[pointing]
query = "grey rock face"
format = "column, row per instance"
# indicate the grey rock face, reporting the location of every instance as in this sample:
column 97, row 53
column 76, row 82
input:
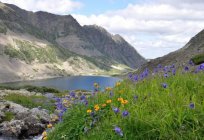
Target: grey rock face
column 25, row 122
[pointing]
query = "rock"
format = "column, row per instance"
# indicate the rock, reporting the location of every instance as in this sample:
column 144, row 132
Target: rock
column 14, row 128
column 49, row 95
column 43, row 114
column 2, row 115
column 16, row 108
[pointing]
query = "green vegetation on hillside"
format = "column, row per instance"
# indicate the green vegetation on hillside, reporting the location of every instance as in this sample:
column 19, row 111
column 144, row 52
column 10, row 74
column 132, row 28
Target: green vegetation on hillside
column 29, row 52
column 198, row 59
column 32, row 101
column 3, row 28
column 168, row 106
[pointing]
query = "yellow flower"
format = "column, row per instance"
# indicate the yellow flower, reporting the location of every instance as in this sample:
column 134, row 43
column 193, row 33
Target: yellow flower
column 96, row 85
column 89, row 111
column 124, row 101
column 49, row 125
column 120, row 99
column 44, row 134
column 118, row 84
column 108, row 89
column 96, row 107
column 103, row 105
column 45, row 138
column 108, row 101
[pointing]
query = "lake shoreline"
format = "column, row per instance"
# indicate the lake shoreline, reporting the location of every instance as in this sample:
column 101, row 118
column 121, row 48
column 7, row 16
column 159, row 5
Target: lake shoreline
column 2, row 82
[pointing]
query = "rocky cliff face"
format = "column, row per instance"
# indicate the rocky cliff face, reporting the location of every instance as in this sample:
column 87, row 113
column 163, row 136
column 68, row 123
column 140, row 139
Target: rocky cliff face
column 37, row 45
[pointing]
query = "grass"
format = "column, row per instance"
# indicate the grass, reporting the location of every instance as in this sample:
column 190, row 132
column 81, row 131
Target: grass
column 157, row 113
column 8, row 116
column 32, row 101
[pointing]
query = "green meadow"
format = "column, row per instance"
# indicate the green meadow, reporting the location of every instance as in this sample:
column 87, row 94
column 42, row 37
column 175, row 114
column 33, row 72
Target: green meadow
column 156, row 107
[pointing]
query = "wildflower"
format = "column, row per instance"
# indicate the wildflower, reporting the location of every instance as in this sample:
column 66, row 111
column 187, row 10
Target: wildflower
column 44, row 134
column 201, row 67
column 186, row 68
column 120, row 99
column 116, row 110
column 124, row 102
column 49, row 125
column 108, row 101
column 118, row 84
column 165, row 75
column 95, row 84
column 89, row 111
column 164, row 85
column 96, row 107
column 191, row 63
column 72, row 94
column 103, row 105
column 111, row 94
column 44, row 138
column 174, row 71
column 82, row 97
column 108, row 89
column 135, row 97
column 192, row 106
column 125, row 113
column 118, row 131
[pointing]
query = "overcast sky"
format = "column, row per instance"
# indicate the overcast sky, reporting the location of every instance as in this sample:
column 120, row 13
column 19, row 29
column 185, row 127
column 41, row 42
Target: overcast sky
column 153, row 27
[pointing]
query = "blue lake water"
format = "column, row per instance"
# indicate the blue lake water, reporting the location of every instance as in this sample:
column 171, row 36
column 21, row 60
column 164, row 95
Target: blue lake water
column 72, row 82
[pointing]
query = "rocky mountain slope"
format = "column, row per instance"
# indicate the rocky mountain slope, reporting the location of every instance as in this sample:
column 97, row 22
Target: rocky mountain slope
column 40, row 45
column 182, row 56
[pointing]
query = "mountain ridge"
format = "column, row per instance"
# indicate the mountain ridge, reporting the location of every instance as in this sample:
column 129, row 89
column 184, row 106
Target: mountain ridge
column 27, row 36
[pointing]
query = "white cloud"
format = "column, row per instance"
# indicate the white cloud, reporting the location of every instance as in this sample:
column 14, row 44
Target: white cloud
column 155, row 28
column 52, row 6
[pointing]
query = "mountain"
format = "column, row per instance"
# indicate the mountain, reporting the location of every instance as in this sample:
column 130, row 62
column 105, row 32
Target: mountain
column 40, row 44
column 181, row 57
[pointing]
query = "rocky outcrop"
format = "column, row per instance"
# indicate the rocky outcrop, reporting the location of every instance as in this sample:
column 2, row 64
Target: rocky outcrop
column 25, row 122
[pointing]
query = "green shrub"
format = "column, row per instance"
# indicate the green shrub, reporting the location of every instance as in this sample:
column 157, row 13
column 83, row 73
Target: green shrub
column 198, row 59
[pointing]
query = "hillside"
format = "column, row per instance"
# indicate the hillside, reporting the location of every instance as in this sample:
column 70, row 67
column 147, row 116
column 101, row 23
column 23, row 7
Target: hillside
column 37, row 45
column 182, row 56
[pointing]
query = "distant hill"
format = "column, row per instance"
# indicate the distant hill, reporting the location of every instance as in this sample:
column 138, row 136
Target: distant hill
column 193, row 48
column 40, row 44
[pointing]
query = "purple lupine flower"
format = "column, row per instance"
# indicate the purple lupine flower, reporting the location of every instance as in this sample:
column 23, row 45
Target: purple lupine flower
column 118, row 131
column 72, row 94
column 172, row 66
column 125, row 113
column 130, row 75
column 191, row 105
column 166, row 75
column 85, row 102
column 135, row 78
column 201, row 67
column 191, row 63
column 83, row 97
column 111, row 94
column 159, row 66
column 164, row 85
column 186, row 68
column 174, row 71
column 135, row 97
column 116, row 110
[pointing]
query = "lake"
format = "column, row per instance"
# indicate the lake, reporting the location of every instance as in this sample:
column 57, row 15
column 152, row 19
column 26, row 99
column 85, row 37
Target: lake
column 72, row 82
